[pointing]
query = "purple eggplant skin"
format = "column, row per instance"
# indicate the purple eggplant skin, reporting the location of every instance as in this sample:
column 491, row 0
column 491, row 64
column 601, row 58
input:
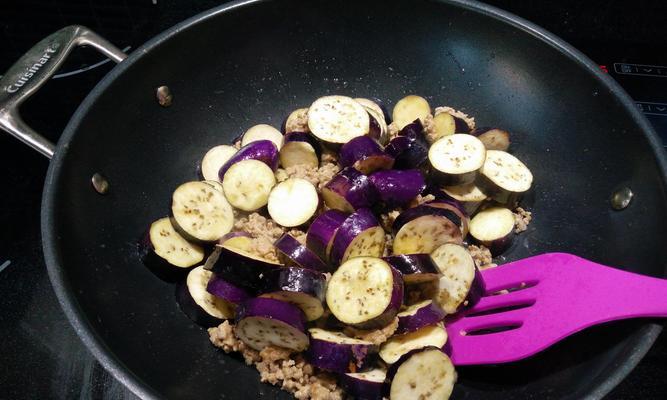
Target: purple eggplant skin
column 354, row 187
column 242, row 270
column 261, row 150
column 364, row 154
column 398, row 187
column 353, row 225
column 340, row 358
column 192, row 310
column 227, row 291
column 423, row 210
column 456, row 207
column 300, row 254
column 361, row 389
column 272, row 309
column 414, row 130
column 408, row 152
column 460, row 126
column 383, row 107
column 500, row 245
column 307, row 138
column 415, row 268
column 322, row 230
column 295, row 280
column 476, row 292
column 429, row 314
column 374, row 130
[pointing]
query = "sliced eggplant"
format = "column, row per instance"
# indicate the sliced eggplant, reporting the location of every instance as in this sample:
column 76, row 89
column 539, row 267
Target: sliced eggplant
column 201, row 212
column 233, row 294
column 408, row 153
column 494, row 228
column 300, row 148
column 260, row 150
column 349, row 190
column 365, row 155
column 293, row 202
column 379, row 122
column 425, row 374
column 457, row 208
column 214, row 159
column 456, row 159
column 238, row 240
column 299, row 254
column 493, row 138
column 504, row 177
column 422, row 229
column 446, row 124
column 431, row 335
column 359, row 235
column 470, row 196
column 337, row 119
column 242, row 268
column 368, row 385
column 322, row 230
column 164, row 248
column 301, row 287
column 398, row 187
column 415, row 268
column 263, row 132
column 215, row 185
column 198, row 304
column 371, row 105
column 461, row 285
column 365, row 292
column 335, row 352
column 297, row 121
column 248, row 184
column 419, row 315
column 410, row 108
column 263, row 322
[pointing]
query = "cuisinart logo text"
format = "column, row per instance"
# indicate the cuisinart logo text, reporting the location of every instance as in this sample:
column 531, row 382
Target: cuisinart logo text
column 14, row 87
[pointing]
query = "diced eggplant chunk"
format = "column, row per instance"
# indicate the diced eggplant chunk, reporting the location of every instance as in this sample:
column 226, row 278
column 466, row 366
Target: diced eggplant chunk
column 248, row 184
column 493, row 138
column 297, row 121
column 398, row 187
column 335, row 352
column 494, row 228
column 300, row 148
column 301, row 287
column 365, row 155
column 349, row 190
column 431, row 335
column 424, row 374
column 322, row 230
column 200, row 305
column 164, row 248
column 422, row 229
column 445, row 125
column 337, row 119
column 263, row 322
column 242, row 268
column 461, row 285
column 470, row 195
column 260, row 150
column 237, row 240
column 457, row 208
column 201, row 212
column 415, row 268
column 456, row 158
column 263, row 132
column 371, row 105
column 359, row 235
column 214, row 159
column 293, row 202
column 410, row 108
column 365, row 292
column 368, row 385
column 226, row 290
column 408, row 152
column 299, row 254
column 419, row 315
column 504, row 177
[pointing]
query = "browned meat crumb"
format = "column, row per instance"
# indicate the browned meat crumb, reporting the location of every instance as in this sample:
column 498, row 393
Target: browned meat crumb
column 459, row 114
column 420, row 292
column 421, row 200
column 264, row 232
column 388, row 244
column 429, row 129
column 299, row 235
column 317, row 176
column 482, row 256
column 521, row 219
column 388, row 218
column 276, row 367
column 328, row 157
column 392, row 130
column 298, row 122
column 237, row 144
column 375, row 336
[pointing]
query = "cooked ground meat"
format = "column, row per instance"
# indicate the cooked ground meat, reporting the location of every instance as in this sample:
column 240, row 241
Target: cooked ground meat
column 392, row 130
column 388, row 218
column 459, row 114
column 298, row 124
column 429, row 129
column 264, row 232
column 388, row 245
column 482, row 256
column 276, row 367
column 421, row 200
column 521, row 219
column 317, row 176
column 375, row 336
column 237, row 144
column 328, row 157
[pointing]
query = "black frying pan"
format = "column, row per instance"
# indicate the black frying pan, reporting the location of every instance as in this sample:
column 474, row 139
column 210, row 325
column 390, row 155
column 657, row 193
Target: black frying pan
column 253, row 62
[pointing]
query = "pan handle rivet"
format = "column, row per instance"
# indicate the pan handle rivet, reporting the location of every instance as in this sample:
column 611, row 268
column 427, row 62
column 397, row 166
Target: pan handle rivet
column 100, row 183
column 164, row 96
column 621, row 198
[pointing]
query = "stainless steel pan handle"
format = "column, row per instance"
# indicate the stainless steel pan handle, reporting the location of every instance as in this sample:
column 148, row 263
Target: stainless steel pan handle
column 34, row 69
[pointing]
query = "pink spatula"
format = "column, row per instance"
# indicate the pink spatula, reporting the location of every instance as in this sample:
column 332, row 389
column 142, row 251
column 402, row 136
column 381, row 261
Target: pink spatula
column 551, row 296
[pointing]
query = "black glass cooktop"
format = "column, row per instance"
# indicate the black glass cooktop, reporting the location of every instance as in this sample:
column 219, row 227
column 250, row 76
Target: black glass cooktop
column 41, row 355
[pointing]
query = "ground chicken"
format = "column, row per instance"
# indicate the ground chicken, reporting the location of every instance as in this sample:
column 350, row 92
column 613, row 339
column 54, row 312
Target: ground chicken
column 317, row 176
column 328, row 157
column 387, row 219
column 388, row 245
column 421, row 200
column 375, row 336
column 392, row 130
column 429, row 129
column 264, row 232
column 276, row 367
column 521, row 219
column 482, row 256
column 237, row 144
column 297, row 121
column 470, row 121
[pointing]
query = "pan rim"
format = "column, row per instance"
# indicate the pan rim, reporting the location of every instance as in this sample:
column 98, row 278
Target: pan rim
column 117, row 368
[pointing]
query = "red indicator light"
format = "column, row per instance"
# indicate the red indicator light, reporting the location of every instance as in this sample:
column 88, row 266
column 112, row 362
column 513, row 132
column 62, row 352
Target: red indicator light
column 604, row 69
